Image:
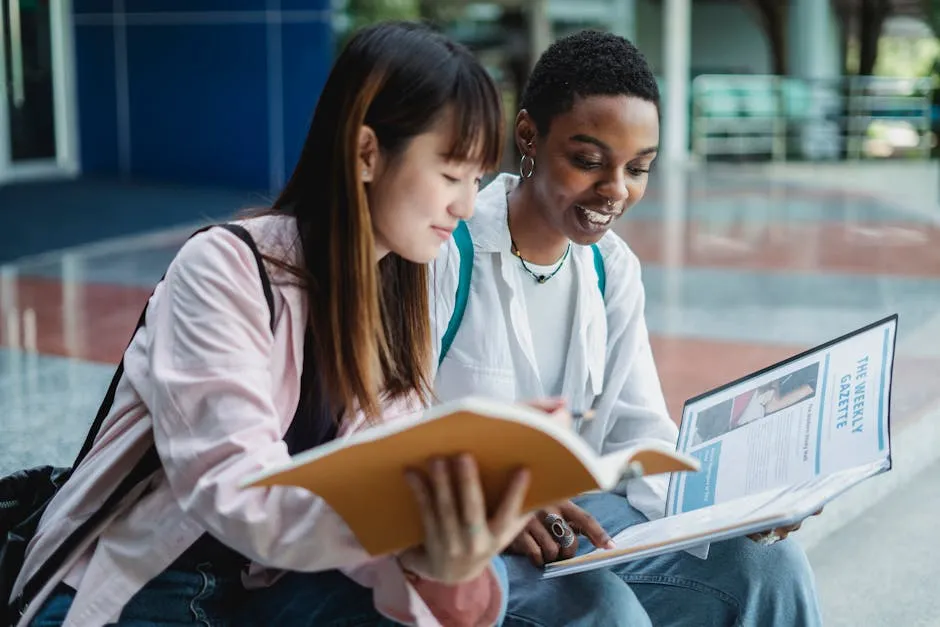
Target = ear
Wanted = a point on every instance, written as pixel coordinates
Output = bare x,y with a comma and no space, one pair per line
525,133
368,154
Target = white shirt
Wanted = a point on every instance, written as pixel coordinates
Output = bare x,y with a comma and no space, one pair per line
550,308
609,360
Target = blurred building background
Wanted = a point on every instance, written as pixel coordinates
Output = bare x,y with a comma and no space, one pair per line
219,93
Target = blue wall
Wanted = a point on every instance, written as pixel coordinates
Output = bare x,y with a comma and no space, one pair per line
183,91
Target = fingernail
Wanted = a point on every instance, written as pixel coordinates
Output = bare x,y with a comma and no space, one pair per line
609,544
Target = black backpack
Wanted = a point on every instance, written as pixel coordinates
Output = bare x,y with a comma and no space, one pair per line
25,494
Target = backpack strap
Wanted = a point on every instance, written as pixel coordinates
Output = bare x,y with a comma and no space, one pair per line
149,461
465,249
242,234
599,267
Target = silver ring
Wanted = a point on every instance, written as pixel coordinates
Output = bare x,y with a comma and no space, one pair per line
560,530
769,538
555,524
567,540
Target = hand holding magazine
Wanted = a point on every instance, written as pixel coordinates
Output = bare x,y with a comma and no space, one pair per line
362,477
774,448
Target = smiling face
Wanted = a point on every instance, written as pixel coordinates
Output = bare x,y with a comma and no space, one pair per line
418,196
592,165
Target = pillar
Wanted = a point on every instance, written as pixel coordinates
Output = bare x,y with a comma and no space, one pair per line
677,43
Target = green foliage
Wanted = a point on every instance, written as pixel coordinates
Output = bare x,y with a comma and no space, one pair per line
932,14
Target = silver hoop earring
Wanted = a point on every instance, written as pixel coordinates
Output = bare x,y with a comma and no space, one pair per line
526,166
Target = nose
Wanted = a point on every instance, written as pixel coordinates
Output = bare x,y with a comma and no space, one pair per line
615,188
462,207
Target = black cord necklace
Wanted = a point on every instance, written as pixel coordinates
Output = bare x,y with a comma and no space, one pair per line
540,278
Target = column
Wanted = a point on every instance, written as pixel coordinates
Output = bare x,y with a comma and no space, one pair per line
815,59
813,46
623,18
677,43
540,29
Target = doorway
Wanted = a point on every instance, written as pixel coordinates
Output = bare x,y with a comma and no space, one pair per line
38,137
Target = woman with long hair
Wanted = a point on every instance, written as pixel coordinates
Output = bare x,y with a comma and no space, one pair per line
243,360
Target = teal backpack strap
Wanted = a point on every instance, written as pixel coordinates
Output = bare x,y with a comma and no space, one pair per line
465,248
599,267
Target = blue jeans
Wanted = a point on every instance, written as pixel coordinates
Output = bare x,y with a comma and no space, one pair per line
216,598
741,584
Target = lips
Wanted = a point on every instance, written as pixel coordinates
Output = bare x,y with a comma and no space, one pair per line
443,231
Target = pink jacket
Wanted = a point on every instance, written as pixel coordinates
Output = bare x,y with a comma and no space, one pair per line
205,380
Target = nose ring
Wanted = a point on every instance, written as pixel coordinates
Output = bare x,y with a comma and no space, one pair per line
610,203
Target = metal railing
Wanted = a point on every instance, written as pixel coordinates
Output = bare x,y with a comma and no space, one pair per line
784,118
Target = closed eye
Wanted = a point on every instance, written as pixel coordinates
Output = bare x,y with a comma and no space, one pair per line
586,164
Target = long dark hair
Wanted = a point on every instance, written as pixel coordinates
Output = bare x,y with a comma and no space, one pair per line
369,321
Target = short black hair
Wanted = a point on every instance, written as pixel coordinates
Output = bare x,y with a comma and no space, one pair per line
586,63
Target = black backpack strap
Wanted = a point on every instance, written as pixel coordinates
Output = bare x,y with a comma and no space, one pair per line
148,463
246,237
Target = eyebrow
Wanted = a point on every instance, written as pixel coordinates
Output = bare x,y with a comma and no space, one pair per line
588,139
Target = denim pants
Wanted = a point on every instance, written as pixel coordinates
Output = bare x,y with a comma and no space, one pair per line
208,596
741,584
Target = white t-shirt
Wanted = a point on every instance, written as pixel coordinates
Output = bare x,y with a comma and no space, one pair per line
550,307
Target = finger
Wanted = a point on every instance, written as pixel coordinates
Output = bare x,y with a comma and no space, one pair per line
548,546
562,535
508,521
562,417
587,525
447,517
530,548
572,549
422,495
548,405
791,528
472,503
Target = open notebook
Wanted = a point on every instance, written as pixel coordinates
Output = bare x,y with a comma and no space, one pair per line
362,477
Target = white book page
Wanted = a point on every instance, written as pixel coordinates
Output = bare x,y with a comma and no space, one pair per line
744,515
823,412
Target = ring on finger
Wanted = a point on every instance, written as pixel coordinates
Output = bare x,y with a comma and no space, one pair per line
560,530
475,528
769,538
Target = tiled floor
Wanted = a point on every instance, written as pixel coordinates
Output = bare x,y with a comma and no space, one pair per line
739,274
